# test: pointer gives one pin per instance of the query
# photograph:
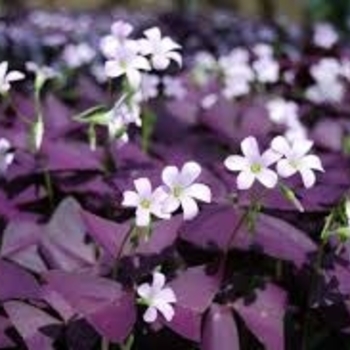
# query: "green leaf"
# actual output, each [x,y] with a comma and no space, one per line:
[94,115]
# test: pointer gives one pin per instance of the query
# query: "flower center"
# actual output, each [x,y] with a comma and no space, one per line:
[177,191]
[294,163]
[145,203]
[255,168]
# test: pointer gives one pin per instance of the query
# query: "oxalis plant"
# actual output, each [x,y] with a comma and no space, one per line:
[159,199]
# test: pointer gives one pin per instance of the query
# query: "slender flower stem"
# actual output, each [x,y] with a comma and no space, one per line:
[316,270]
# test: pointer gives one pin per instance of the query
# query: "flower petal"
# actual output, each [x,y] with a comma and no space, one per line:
[15,76]
[268,178]
[150,315]
[308,177]
[199,191]
[170,205]
[143,187]
[281,145]
[236,163]
[250,148]
[284,168]
[130,199]
[301,147]
[270,157]
[189,207]
[144,291]
[313,162]
[113,70]
[245,180]
[166,310]
[158,282]
[170,176]
[190,172]
[167,295]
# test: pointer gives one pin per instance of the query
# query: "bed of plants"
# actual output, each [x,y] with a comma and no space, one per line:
[173,182]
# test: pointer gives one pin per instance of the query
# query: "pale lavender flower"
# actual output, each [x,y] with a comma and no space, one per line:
[182,190]
[78,55]
[296,159]
[146,201]
[149,86]
[6,77]
[325,35]
[253,165]
[263,50]
[282,111]
[174,88]
[267,70]
[6,156]
[158,298]
[161,49]
[121,30]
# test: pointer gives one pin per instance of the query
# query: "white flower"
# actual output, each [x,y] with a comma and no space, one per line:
[6,78]
[127,61]
[235,88]
[204,68]
[146,202]
[327,69]
[254,165]
[237,78]
[181,189]
[76,56]
[263,50]
[267,70]
[161,49]
[295,132]
[158,298]
[6,156]
[330,91]
[296,159]
[174,88]
[325,36]
[282,111]
[329,87]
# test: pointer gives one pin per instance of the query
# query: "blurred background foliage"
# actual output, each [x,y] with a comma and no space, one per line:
[336,11]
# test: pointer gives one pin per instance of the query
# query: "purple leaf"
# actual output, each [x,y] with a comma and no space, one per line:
[220,330]
[20,244]
[264,317]
[36,327]
[17,283]
[64,244]
[213,229]
[108,234]
[278,239]
[5,341]
[103,303]
[194,290]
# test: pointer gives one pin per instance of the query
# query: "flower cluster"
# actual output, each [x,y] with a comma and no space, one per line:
[131,59]
[291,158]
[329,86]
[179,189]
